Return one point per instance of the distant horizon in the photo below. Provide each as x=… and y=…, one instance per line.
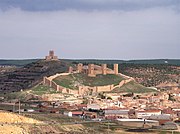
x=89, y=59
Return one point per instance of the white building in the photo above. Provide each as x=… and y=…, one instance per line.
x=147, y=113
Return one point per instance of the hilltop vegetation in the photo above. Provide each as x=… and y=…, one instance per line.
x=149, y=62
x=72, y=81
x=18, y=63
x=152, y=75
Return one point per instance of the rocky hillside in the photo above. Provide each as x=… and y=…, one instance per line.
x=29, y=75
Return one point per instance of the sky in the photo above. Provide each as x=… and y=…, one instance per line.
x=90, y=29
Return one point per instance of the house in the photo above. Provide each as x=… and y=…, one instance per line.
x=116, y=113
x=83, y=114
x=137, y=123
x=94, y=106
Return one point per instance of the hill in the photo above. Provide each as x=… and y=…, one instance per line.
x=30, y=75
x=18, y=63
x=133, y=87
x=152, y=75
x=149, y=61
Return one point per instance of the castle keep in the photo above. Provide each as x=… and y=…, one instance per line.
x=51, y=56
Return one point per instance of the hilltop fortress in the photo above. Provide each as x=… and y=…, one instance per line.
x=51, y=56
x=91, y=70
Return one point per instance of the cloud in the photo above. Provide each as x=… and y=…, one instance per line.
x=87, y=5
x=150, y=33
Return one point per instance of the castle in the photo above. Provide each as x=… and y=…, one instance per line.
x=92, y=70
x=51, y=56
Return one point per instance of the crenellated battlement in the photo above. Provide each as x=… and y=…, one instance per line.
x=92, y=70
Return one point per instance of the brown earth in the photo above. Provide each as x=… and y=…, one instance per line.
x=11, y=123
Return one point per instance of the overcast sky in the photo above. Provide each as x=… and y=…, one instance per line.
x=95, y=29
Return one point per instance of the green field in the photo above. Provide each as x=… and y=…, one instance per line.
x=25, y=94
x=41, y=89
x=72, y=81
x=133, y=87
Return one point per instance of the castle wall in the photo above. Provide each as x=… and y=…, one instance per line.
x=73, y=91
x=80, y=67
x=54, y=85
x=116, y=69
x=47, y=81
x=109, y=71
x=104, y=69
x=70, y=69
x=95, y=89
x=91, y=72
x=97, y=72
x=105, y=88
x=124, y=82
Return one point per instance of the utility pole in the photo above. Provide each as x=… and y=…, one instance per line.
x=19, y=106
x=14, y=107
x=108, y=127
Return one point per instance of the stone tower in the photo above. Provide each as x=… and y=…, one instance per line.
x=104, y=69
x=116, y=69
x=51, y=56
x=51, y=53
x=70, y=69
x=80, y=67
x=91, y=72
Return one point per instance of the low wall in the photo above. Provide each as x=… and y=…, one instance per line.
x=105, y=88
x=124, y=82
x=57, y=75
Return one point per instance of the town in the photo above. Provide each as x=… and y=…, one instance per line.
x=90, y=93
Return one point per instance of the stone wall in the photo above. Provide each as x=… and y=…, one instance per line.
x=46, y=81
x=55, y=86
x=86, y=89
x=49, y=82
x=82, y=89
